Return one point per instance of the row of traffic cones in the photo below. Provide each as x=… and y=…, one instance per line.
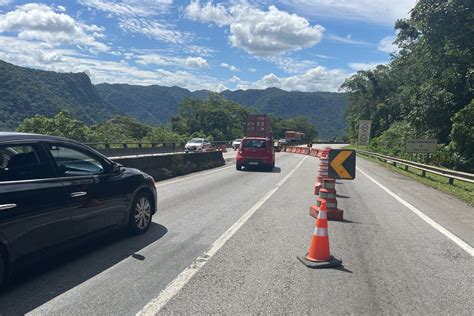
x=325, y=187
x=319, y=255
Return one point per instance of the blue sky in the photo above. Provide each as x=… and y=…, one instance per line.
x=305, y=45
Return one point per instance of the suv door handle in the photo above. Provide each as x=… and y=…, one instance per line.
x=78, y=194
x=4, y=207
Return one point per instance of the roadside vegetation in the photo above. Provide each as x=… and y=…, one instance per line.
x=426, y=90
x=462, y=190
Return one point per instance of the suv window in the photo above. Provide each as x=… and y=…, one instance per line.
x=72, y=162
x=21, y=162
x=254, y=143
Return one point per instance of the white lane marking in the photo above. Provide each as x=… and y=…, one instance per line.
x=155, y=305
x=204, y=173
x=458, y=241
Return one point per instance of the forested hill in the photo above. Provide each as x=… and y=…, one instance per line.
x=149, y=104
x=26, y=92
x=325, y=109
x=155, y=104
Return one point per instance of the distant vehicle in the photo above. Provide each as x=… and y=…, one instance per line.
x=292, y=136
x=256, y=152
x=53, y=190
x=236, y=143
x=197, y=145
x=283, y=141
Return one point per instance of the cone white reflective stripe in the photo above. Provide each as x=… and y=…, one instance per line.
x=329, y=185
x=329, y=205
x=321, y=232
x=322, y=215
x=327, y=195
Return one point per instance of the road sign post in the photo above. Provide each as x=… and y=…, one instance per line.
x=421, y=146
x=364, y=132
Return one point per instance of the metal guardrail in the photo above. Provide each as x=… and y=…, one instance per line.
x=450, y=174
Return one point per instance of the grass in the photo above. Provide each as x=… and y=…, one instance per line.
x=460, y=189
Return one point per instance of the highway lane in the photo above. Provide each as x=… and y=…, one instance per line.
x=121, y=276
x=393, y=260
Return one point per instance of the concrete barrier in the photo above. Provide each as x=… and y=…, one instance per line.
x=162, y=167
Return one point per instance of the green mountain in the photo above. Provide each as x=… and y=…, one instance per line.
x=148, y=104
x=26, y=92
x=156, y=104
x=324, y=109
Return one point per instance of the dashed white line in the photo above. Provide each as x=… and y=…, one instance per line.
x=458, y=241
x=155, y=305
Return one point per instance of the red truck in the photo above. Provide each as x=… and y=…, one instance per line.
x=258, y=126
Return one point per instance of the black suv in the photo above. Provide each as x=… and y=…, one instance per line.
x=53, y=190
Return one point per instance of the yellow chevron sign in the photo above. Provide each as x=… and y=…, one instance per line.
x=342, y=164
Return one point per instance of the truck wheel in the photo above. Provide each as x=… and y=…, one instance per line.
x=238, y=166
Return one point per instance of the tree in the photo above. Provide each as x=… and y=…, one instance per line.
x=215, y=117
x=462, y=136
x=120, y=129
x=62, y=124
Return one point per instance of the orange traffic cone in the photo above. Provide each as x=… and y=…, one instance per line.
x=319, y=255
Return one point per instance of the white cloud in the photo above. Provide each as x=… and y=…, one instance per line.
x=315, y=79
x=230, y=67
x=139, y=16
x=260, y=33
x=129, y=7
x=380, y=12
x=292, y=65
x=346, y=40
x=5, y=2
x=217, y=14
x=366, y=66
x=152, y=29
x=40, y=22
x=251, y=69
x=196, y=62
x=234, y=79
x=386, y=45
x=162, y=60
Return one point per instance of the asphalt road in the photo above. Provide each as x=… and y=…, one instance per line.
x=229, y=241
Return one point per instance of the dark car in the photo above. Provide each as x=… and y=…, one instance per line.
x=53, y=190
x=256, y=152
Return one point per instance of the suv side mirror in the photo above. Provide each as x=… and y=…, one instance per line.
x=116, y=167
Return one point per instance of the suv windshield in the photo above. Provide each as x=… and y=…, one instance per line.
x=196, y=140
